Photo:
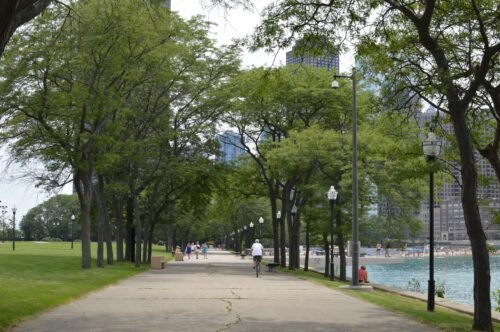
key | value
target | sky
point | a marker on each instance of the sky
(233, 24)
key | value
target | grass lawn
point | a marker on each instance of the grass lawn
(442, 318)
(38, 276)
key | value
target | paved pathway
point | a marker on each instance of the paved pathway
(218, 294)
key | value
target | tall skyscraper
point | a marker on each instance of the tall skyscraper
(450, 224)
(300, 56)
(230, 146)
(168, 4)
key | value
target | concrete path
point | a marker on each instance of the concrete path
(218, 294)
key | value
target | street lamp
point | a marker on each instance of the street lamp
(14, 210)
(355, 225)
(261, 223)
(277, 246)
(432, 148)
(72, 221)
(251, 231)
(332, 196)
(245, 236)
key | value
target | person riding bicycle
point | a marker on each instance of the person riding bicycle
(257, 249)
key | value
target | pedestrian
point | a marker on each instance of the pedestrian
(363, 275)
(205, 250)
(188, 250)
(197, 248)
(379, 248)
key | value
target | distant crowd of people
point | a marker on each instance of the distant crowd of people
(196, 249)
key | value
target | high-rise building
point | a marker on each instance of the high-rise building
(448, 213)
(299, 56)
(230, 146)
(168, 4)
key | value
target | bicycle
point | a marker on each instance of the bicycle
(257, 265)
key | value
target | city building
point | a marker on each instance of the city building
(299, 56)
(230, 146)
(449, 223)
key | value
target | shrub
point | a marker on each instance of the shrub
(496, 294)
(414, 285)
(441, 288)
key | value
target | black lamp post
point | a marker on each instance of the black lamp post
(355, 222)
(432, 148)
(261, 223)
(278, 221)
(72, 221)
(332, 196)
(251, 232)
(245, 236)
(14, 210)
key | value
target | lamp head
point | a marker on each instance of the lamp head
(278, 215)
(335, 84)
(332, 194)
(261, 220)
(431, 146)
(72, 217)
(251, 224)
(14, 210)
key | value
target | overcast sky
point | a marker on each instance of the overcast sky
(234, 24)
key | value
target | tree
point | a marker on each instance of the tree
(105, 97)
(15, 13)
(444, 52)
(52, 219)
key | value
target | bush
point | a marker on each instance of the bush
(414, 286)
(496, 294)
(441, 288)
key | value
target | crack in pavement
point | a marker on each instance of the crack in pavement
(229, 309)
(237, 296)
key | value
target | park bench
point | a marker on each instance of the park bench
(271, 266)
(157, 262)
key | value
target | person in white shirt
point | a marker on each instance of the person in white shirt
(257, 250)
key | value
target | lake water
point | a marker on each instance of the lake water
(455, 271)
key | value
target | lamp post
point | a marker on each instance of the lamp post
(332, 196)
(432, 148)
(14, 210)
(261, 223)
(72, 221)
(278, 221)
(251, 232)
(245, 235)
(355, 225)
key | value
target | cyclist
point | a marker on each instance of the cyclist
(257, 249)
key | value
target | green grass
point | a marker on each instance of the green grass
(39, 276)
(442, 318)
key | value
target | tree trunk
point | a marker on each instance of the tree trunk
(327, 255)
(130, 235)
(282, 240)
(306, 259)
(274, 211)
(118, 214)
(14, 13)
(138, 229)
(83, 187)
(481, 261)
(341, 244)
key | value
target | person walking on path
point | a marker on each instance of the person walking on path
(188, 250)
(257, 250)
(197, 248)
(205, 250)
